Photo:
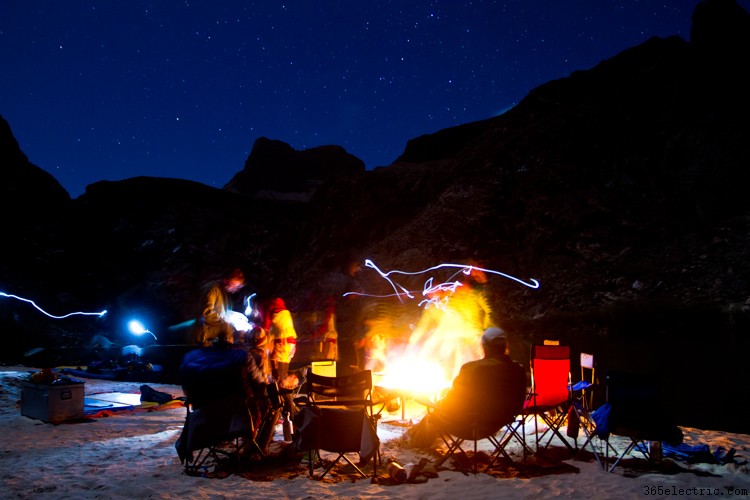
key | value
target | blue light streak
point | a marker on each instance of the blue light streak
(76, 313)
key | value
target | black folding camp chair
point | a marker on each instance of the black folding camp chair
(337, 416)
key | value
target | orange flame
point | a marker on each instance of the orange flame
(446, 336)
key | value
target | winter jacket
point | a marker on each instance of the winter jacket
(284, 336)
(214, 304)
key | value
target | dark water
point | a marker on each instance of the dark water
(699, 356)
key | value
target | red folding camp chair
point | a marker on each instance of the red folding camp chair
(549, 398)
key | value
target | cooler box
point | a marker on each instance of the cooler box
(52, 403)
(325, 368)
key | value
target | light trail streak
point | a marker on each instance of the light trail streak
(462, 268)
(250, 309)
(76, 313)
(429, 290)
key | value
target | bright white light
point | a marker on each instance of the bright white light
(137, 328)
(418, 377)
(238, 320)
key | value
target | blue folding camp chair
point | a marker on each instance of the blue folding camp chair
(633, 410)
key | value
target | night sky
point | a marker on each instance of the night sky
(111, 90)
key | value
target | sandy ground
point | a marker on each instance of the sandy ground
(131, 454)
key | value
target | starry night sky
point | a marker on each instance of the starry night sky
(111, 90)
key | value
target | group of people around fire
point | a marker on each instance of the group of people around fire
(270, 344)
(274, 334)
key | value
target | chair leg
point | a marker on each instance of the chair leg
(589, 437)
(197, 462)
(601, 452)
(334, 462)
(631, 445)
(511, 431)
(326, 470)
(452, 447)
(553, 424)
(475, 455)
(311, 461)
(499, 450)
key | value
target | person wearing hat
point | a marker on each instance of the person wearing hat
(487, 392)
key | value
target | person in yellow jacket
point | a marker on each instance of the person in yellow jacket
(284, 338)
(214, 309)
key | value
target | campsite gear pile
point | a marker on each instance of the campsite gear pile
(51, 398)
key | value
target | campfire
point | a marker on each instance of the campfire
(421, 359)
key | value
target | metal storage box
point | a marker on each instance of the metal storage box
(52, 402)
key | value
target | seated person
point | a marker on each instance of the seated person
(216, 382)
(258, 401)
(487, 393)
(220, 370)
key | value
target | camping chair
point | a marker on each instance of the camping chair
(213, 380)
(473, 427)
(337, 416)
(580, 418)
(484, 419)
(485, 398)
(513, 430)
(549, 397)
(587, 381)
(633, 410)
(270, 414)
